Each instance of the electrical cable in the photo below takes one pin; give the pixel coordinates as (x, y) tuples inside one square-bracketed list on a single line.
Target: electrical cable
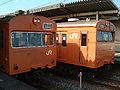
[(5, 2)]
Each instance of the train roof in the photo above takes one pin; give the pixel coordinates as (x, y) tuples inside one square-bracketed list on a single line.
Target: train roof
[(100, 25), (6, 19), (78, 23), (28, 22), (92, 23)]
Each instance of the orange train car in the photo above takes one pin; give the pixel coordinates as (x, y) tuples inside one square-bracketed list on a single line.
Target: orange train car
[(86, 43), (27, 42)]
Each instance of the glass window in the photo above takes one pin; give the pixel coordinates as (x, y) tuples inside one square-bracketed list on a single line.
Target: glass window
[(38, 39), (19, 39), (99, 36), (48, 26), (104, 36), (32, 39), (57, 39), (47, 39), (1, 38), (110, 36), (43, 39), (64, 39), (83, 41)]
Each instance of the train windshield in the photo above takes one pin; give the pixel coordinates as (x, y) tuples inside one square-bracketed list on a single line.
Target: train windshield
[(32, 39), (103, 36)]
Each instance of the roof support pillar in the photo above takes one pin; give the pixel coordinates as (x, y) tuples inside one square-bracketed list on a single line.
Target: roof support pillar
[(97, 16)]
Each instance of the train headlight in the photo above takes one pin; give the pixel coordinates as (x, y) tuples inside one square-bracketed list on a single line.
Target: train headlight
[(36, 21), (15, 67)]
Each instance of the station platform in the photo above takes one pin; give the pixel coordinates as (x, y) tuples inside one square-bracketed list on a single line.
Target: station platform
[(117, 54), (117, 57), (9, 83)]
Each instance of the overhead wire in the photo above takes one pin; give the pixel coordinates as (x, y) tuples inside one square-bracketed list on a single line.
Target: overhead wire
[(5, 2)]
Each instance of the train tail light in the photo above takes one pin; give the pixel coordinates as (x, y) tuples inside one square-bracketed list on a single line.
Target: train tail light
[(15, 67)]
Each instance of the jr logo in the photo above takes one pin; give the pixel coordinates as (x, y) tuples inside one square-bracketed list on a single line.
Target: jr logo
[(74, 36), (49, 52)]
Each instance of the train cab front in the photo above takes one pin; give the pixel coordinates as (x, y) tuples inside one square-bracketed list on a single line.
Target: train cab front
[(29, 43), (105, 43)]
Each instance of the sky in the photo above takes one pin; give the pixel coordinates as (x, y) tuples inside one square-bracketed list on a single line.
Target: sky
[(9, 6)]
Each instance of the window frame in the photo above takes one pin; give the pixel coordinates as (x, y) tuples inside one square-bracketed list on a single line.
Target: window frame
[(28, 43), (48, 24), (53, 35), (64, 40), (82, 39), (57, 39), (12, 40), (112, 33)]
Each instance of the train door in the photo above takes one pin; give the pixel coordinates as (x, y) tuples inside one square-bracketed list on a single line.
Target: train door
[(62, 46), (83, 47)]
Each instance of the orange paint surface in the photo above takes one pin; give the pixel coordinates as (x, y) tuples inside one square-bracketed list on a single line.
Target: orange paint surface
[(15, 60), (82, 47)]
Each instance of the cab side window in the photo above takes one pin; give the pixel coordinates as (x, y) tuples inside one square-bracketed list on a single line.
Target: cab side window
[(64, 39), (57, 39), (84, 39)]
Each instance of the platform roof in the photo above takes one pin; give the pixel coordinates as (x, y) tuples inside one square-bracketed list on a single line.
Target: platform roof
[(106, 9), (81, 6)]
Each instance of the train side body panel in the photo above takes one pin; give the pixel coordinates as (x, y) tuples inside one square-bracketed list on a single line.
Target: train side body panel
[(4, 47), (82, 44), (74, 53)]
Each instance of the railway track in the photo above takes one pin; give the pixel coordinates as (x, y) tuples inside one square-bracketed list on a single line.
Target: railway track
[(109, 83), (109, 79), (49, 81)]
